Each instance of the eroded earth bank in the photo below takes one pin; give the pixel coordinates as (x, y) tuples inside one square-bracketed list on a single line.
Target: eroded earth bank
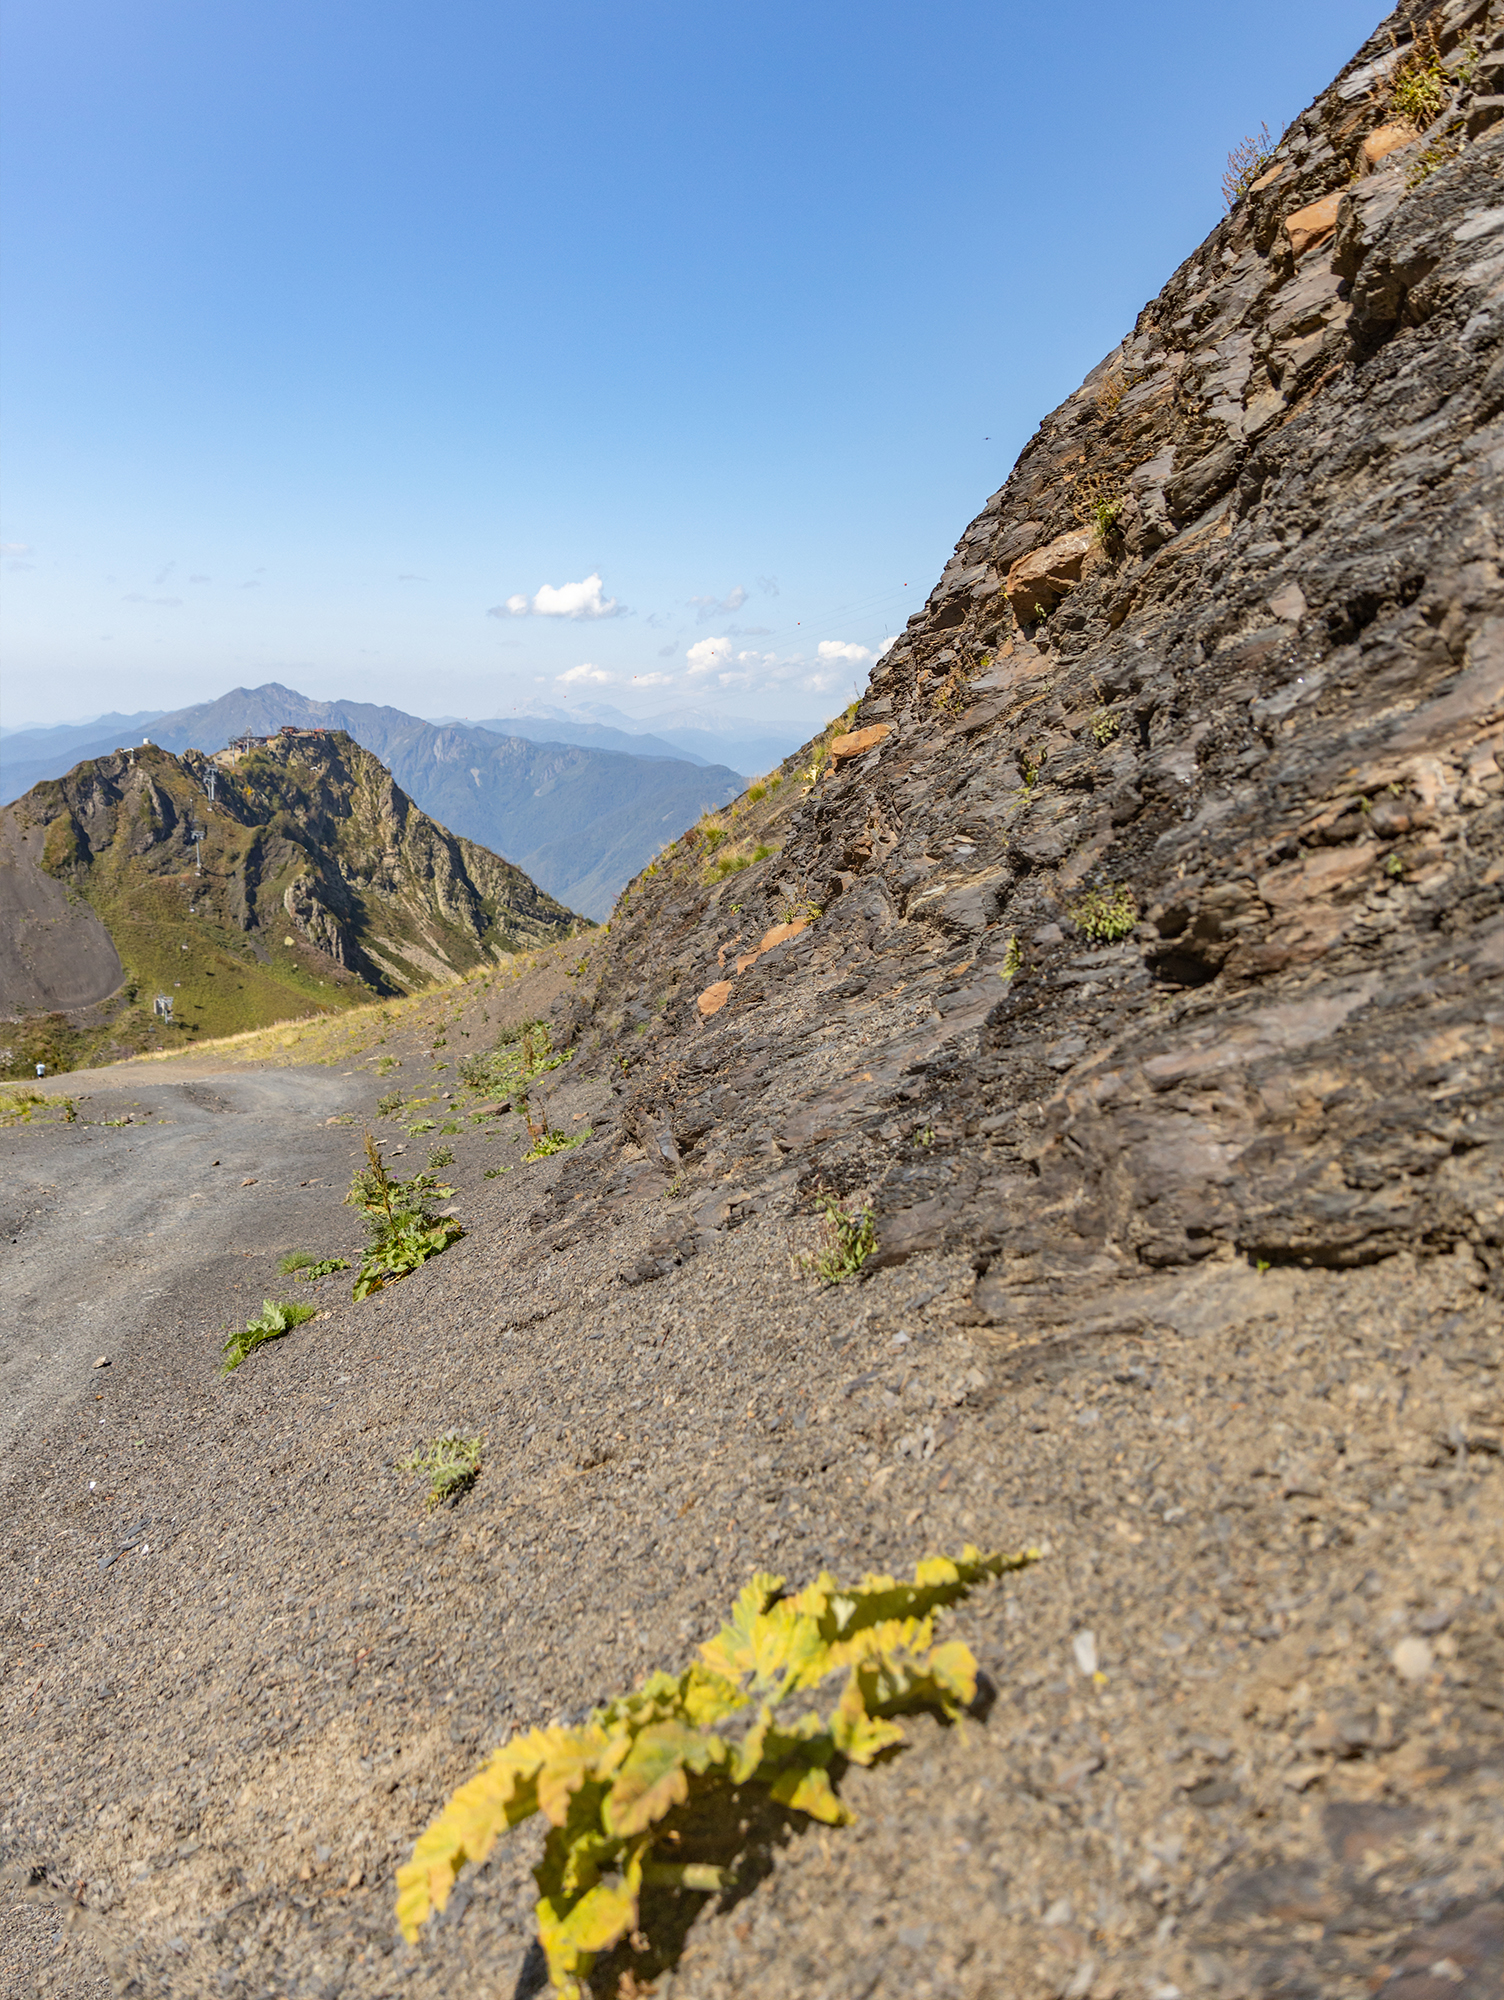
[(1137, 953)]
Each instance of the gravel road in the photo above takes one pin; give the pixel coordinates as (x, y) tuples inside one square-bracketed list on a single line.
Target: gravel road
[(137, 1219)]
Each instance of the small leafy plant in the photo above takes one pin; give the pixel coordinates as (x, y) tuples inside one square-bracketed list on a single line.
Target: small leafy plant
[(650, 1798), (440, 1156), (847, 1241), (1429, 160), (295, 1260), (1104, 726), (1105, 915), (400, 1223), (390, 1106), (450, 1464), (1420, 85), (554, 1141), (1097, 503), (275, 1318), (324, 1268)]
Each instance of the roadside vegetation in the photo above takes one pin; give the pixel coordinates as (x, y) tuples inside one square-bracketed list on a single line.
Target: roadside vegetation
[(276, 1317), (402, 1228), (666, 1794)]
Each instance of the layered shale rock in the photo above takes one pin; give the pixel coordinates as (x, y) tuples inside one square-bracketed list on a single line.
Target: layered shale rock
[(1161, 885)]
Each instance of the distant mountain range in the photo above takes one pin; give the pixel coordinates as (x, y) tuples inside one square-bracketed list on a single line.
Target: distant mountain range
[(580, 805), (700, 734), (310, 882)]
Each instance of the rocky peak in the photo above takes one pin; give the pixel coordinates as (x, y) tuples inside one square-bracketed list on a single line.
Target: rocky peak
[(315, 863)]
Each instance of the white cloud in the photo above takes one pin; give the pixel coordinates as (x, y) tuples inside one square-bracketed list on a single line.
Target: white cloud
[(564, 600), (707, 608), (768, 585), (652, 680), (596, 676), (891, 640), (842, 649), (705, 655)]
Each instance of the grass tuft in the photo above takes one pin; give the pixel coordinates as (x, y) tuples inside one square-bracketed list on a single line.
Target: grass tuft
[(848, 1239), (1105, 915)]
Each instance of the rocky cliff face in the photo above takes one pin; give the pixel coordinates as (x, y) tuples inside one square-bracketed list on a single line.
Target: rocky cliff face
[(322, 884), (1162, 877)]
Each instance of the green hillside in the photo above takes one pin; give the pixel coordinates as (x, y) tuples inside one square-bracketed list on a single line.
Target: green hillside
[(322, 886)]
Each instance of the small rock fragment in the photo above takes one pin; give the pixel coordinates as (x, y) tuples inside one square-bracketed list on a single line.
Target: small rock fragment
[(103, 1361), (1413, 1659)]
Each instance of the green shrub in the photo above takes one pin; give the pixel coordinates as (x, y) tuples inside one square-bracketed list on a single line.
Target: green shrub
[(274, 1319), (1105, 915), (651, 1797), (295, 1260), (390, 1106), (403, 1230)]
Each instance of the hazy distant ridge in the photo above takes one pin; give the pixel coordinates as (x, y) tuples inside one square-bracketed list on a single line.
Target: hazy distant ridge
[(580, 819)]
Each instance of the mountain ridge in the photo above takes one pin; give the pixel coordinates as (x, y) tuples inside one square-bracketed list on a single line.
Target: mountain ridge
[(578, 818), (316, 884)]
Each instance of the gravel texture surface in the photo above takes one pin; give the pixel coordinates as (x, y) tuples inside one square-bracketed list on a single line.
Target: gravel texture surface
[(1138, 955)]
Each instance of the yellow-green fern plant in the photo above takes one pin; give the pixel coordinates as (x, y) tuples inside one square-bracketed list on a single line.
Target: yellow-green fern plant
[(651, 1792)]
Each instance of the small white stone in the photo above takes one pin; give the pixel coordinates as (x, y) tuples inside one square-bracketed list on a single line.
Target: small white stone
[(1084, 1646), (1413, 1659)]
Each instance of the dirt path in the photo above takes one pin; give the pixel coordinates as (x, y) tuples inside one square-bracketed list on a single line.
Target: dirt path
[(170, 1191)]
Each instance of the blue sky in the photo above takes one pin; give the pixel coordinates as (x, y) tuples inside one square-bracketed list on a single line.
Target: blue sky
[(697, 332)]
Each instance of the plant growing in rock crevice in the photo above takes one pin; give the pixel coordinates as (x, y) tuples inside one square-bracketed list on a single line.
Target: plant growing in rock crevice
[(1105, 915), (653, 1797), (847, 1240), (1245, 163), (1097, 502)]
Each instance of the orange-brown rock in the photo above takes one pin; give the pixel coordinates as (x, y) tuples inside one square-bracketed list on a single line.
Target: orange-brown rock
[(1381, 143), (1037, 582), (1308, 226), (779, 934), (859, 742), (714, 998)]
